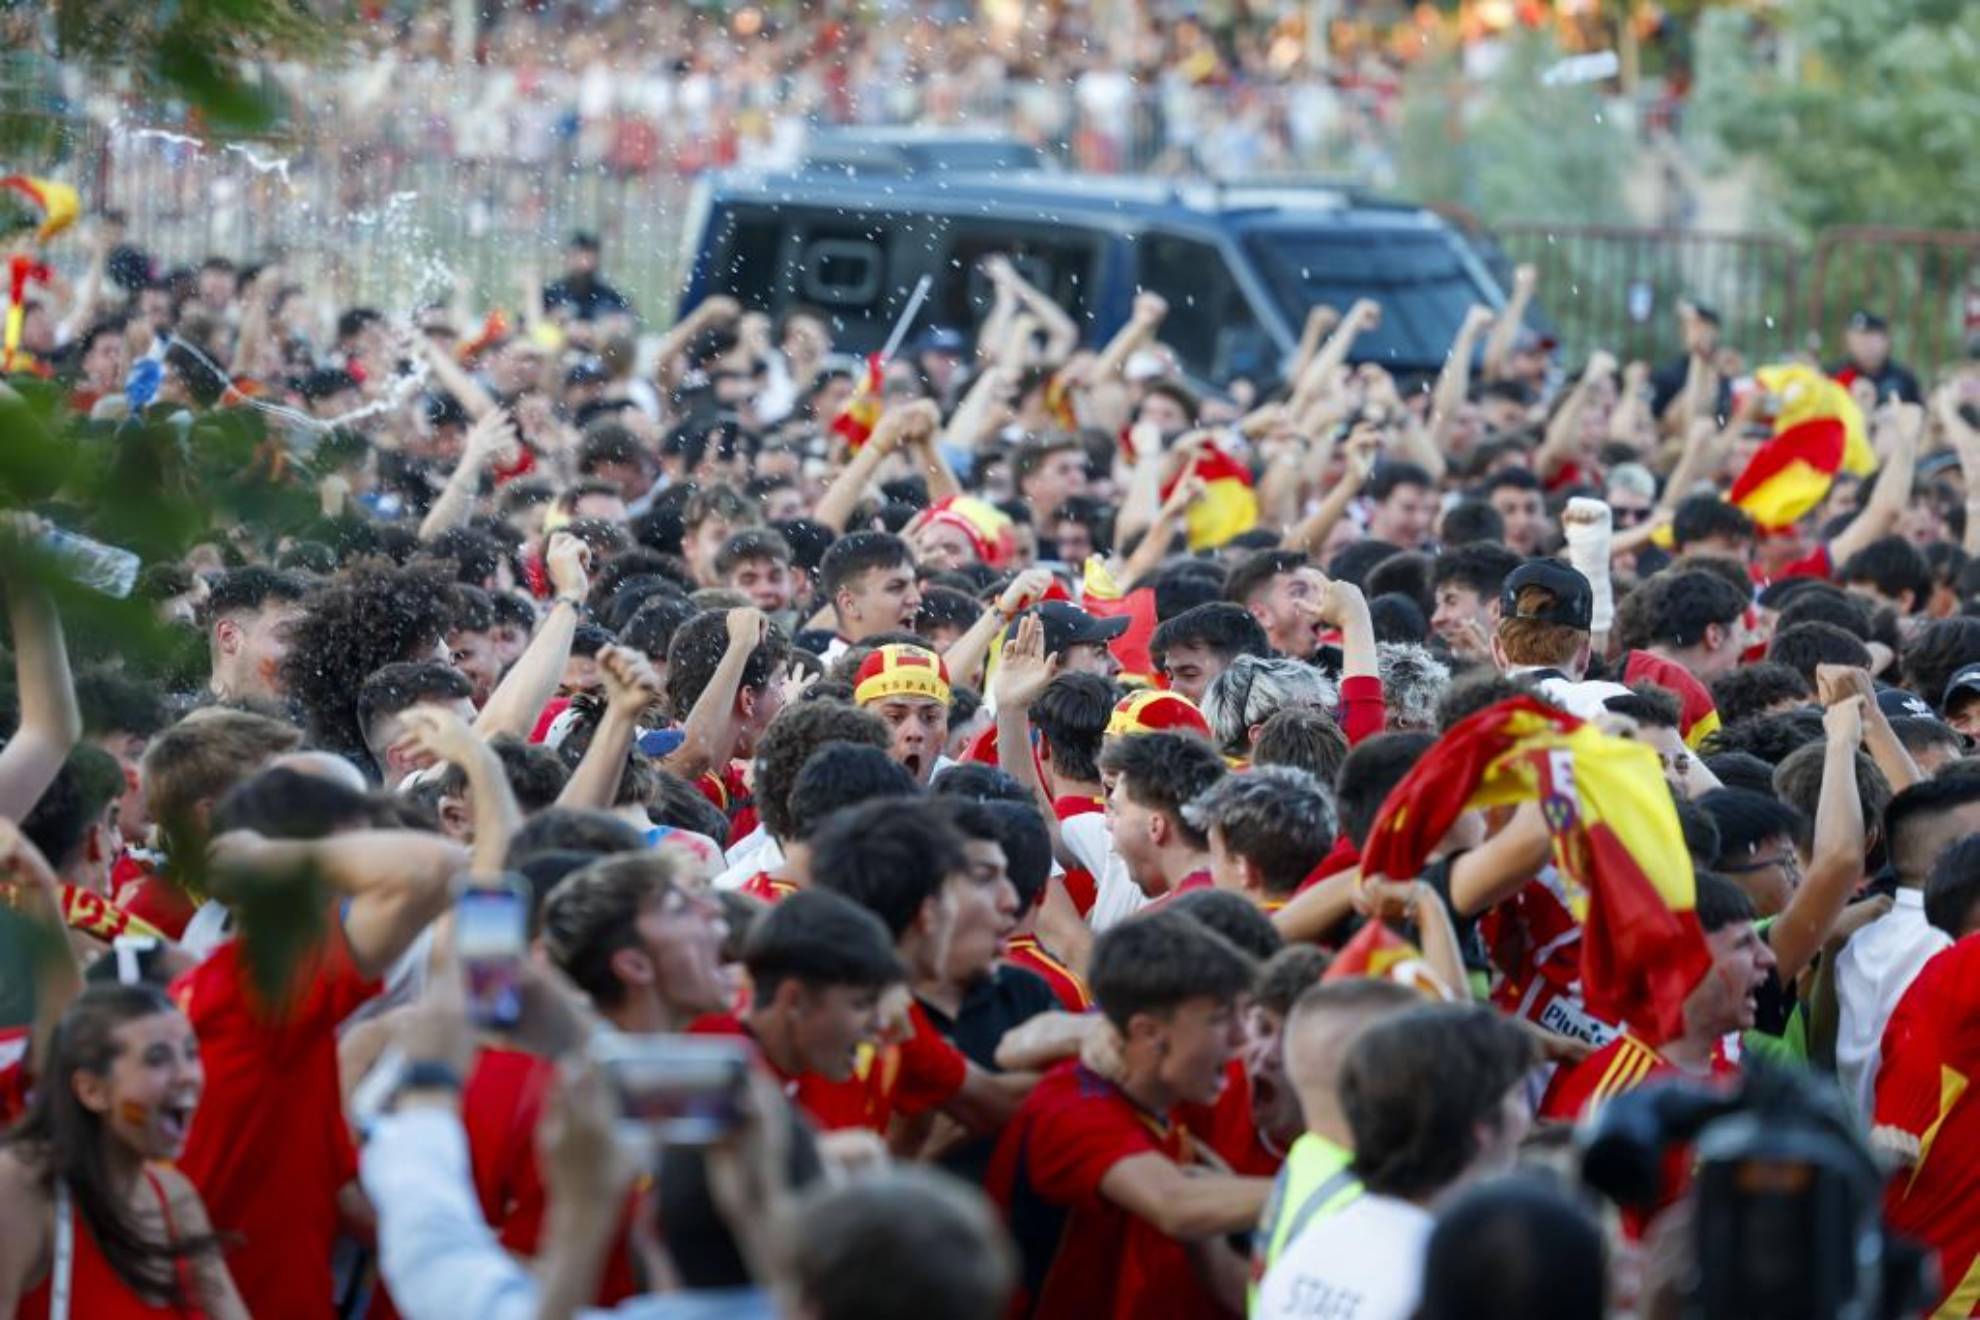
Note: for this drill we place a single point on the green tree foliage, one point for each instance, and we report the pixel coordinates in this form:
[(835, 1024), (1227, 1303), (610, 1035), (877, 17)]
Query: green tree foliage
[(1858, 112), (1520, 150)]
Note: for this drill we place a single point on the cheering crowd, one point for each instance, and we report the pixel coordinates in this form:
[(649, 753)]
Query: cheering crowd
[(1003, 830)]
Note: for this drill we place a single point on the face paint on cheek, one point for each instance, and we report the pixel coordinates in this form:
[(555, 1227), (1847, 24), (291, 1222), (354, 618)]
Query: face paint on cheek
[(134, 1112)]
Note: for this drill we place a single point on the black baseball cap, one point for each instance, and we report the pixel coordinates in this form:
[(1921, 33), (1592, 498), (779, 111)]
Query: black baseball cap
[(1867, 320), (1574, 599), (1964, 682), (1896, 702), (1067, 625)]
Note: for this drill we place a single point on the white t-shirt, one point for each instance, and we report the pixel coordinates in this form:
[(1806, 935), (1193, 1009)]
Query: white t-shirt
[(1116, 897), (1365, 1260)]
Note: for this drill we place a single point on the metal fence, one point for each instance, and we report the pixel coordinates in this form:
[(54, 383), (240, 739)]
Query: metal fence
[(393, 227), (389, 229), (1618, 288)]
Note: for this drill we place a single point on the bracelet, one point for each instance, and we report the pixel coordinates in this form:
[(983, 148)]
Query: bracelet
[(575, 602)]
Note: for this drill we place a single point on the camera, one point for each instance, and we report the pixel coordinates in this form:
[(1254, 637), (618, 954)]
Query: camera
[(1788, 1219)]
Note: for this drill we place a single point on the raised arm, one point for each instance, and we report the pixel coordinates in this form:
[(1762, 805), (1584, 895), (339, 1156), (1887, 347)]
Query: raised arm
[(445, 736), (965, 655), (1892, 491), (1360, 453), (1454, 380), (532, 680), (897, 426), (1563, 436), (1965, 441), (1836, 868), (709, 731), (1505, 332), (1320, 319), (1061, 333), (709, 311), (1364, 316), (1838, 683), (492, 438), (397, 881), (1142, 323), (50, 723), (1412, 440), (630, 687), (450, 376)]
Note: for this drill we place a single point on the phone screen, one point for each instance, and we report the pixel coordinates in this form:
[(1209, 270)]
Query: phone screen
[(491, 933)]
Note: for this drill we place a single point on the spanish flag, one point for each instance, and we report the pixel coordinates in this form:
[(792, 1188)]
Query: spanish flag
[(1229, 506), (1818, 432), (1617, 845), (1101, 595), (1377, 953), (57, 202), (861, 414)]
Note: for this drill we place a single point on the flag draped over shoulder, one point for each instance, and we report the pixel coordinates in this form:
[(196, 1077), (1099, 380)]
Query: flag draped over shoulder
[(862, 411), (1229, 506), (1617, 844), (1818, 432)]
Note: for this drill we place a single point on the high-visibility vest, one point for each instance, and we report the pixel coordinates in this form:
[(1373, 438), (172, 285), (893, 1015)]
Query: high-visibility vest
[(1317, 1179)]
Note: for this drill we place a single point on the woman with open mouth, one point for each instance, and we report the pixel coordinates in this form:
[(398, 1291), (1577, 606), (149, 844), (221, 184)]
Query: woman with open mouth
[(94, 1223)]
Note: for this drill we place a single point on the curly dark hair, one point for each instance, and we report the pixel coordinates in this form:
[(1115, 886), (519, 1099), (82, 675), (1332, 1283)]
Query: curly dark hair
[(371, 615)]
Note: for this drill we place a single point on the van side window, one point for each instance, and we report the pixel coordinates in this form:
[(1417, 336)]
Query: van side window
[(1211, 325)]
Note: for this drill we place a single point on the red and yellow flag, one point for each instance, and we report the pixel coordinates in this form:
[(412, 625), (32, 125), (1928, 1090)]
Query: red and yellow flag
[(1818, 432), (1377, 953), (1103, 597), (861, 414), (1229, 506), (1617, 844), (58, 202)]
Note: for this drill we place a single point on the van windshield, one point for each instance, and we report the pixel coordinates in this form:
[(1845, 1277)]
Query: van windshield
[(1419, 278)]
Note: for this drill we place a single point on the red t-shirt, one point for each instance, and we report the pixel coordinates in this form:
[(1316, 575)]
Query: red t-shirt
[(1025, 951), (502, 1105), (1930, 1060), (1364, 710), (269, 1150), (13, 1074), (1080, 885), (1086, 1258), (1226, 1127), (151, 897), (1189, 884), (920, 1073), (729, 790), (1816, 564), (1698, 713)]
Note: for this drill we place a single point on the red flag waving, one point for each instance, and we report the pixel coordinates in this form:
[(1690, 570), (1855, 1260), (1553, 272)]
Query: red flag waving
[(862, 411), (1617, 843)]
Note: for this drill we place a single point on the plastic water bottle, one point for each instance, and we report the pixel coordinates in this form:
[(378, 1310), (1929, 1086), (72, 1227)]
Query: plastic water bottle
[(92, 564)]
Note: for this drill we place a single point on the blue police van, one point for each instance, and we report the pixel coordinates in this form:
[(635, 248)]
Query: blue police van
[(1240, 264)]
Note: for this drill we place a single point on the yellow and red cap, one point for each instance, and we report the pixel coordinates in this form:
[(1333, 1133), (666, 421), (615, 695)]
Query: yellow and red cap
[(1157, 711), (901, 670)]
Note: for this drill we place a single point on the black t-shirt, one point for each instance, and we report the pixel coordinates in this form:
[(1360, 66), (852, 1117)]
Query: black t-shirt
[(1006, 998)]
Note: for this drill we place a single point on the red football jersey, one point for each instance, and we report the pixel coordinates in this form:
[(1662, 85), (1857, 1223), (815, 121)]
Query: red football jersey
[(269, 1149), (1930, 1058), (1089, 1258)]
